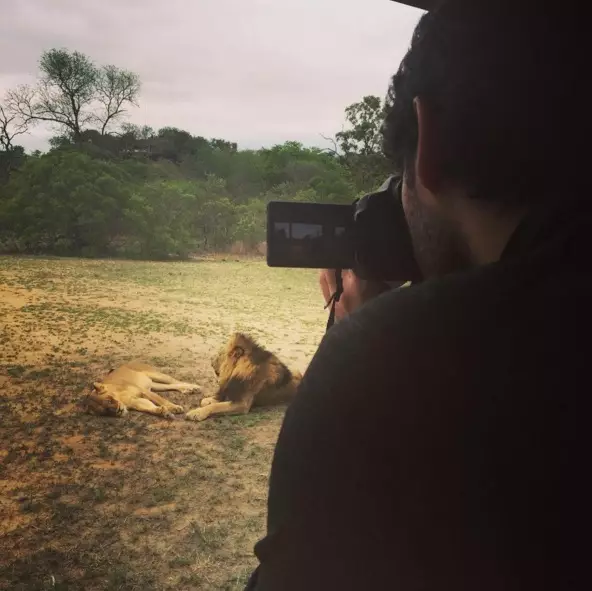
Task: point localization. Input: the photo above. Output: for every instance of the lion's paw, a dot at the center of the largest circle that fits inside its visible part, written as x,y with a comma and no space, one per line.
207,401
176,409
193,388
197,414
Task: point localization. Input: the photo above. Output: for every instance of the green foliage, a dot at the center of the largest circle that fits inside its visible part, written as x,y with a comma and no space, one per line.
92,200
364,119
176,218
250,223
361,143
10,159
64,203
154,194
158,215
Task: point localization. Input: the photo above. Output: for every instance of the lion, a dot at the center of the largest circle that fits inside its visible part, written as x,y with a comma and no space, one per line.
133,386
248,375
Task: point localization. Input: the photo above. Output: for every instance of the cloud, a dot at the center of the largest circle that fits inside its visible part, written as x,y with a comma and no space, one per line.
253,71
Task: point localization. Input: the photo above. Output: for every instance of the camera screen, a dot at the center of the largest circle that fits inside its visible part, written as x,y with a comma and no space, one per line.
319,242
309,242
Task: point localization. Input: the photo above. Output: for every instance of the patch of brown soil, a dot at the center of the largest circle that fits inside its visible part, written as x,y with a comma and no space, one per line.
109,465
135,502
148,511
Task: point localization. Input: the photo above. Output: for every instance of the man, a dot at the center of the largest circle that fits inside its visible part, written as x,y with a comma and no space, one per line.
439,439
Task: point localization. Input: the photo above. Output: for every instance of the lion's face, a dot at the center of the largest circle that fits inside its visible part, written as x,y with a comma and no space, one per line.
101,402
217,360
226,358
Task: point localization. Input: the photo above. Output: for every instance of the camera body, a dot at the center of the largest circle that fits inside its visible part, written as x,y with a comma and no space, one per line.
370,236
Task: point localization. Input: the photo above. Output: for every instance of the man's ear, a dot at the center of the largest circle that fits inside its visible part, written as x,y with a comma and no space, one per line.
428,158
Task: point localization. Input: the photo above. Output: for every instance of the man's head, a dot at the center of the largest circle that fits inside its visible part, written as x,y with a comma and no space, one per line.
478,120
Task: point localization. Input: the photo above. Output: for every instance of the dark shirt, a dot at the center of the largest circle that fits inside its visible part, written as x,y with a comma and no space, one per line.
440,436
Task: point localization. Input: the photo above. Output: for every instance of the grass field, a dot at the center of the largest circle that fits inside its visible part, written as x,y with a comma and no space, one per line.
137,503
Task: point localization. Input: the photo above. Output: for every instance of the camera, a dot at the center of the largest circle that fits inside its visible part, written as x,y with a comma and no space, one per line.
370,236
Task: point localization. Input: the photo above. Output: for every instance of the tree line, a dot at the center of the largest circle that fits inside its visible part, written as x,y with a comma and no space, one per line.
106,187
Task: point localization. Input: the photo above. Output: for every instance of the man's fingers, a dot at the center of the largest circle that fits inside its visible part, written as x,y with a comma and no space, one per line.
356,291
327,282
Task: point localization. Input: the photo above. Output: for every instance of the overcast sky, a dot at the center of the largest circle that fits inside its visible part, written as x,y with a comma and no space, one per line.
257,72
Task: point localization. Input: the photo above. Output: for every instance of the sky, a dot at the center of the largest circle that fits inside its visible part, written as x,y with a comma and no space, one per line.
256,72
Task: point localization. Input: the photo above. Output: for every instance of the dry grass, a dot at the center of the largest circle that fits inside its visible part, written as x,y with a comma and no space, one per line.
136,503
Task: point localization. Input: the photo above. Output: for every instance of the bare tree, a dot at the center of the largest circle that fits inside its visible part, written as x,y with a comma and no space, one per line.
63,94
74,94
11,125
114,89
335,149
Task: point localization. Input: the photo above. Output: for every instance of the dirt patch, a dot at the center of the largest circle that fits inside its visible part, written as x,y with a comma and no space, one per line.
136,503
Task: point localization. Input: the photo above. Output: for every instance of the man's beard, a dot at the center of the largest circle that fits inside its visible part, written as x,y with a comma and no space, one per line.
438,246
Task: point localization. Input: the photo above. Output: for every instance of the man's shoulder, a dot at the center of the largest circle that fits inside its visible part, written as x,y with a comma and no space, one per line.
389,331
412,313
419,326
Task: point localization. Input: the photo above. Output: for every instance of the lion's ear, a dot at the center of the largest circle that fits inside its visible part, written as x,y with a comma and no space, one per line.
237,353
97,386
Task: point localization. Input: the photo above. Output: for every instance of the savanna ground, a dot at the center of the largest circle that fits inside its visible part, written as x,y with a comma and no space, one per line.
134,503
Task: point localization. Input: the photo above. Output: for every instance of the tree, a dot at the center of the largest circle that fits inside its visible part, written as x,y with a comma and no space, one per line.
160,220
359,146
218,144
65,202
364,135
11,156
114,89
137,192
74,94
250,223
11,125
217,218
179,138
64,93
10,160
135,132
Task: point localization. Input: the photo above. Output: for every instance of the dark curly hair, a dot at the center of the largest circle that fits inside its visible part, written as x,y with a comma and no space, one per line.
500,78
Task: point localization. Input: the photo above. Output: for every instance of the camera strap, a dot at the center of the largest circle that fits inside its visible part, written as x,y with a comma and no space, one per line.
334,298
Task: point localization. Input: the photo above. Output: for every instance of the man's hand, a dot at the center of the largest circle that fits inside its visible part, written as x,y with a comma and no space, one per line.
356,291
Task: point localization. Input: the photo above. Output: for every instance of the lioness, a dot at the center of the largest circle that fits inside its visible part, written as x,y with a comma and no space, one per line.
134,386
248,375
